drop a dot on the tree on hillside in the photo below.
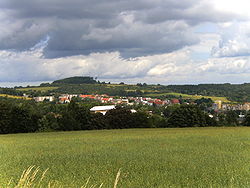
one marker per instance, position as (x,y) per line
(76,80)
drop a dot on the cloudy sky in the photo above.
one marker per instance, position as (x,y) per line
(153,41)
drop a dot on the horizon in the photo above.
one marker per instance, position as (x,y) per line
(163,42)
(37,83)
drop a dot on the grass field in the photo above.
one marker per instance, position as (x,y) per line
(148,158)
(186,96)
(42,89)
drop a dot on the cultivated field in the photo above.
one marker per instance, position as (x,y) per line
(194,97)
(192,157)
(42,89)
(15,97)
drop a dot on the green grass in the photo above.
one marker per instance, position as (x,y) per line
(191,157)
(42,89)
(186,96)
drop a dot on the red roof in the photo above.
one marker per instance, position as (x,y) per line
(175,101)
(63,99)
(105,99)
(158,102)
(87,96)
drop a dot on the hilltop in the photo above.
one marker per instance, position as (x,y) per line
(75,80)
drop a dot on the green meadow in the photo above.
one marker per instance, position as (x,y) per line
(190,157)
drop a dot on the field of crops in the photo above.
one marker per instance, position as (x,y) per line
(192,157)
(194,97)
(15,97)
(42,89)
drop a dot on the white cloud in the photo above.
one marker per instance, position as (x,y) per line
(175,67)
(235,40)
(104,41)
(240,7)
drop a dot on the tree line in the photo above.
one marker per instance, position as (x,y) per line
(18,116)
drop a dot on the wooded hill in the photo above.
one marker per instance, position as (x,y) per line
(76,80)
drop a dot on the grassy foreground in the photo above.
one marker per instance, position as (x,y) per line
(192,157)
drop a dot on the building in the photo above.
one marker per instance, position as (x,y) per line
(246,106)
(218,104)
(44,98)
(64,100)
(102,109)
(87,96)
(175,101)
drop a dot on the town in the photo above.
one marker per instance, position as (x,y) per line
(104,99)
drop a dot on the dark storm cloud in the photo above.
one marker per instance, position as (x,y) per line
(134,28)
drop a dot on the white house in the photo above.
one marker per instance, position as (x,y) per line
(43,98)
(102,109)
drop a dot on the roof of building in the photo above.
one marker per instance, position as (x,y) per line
(102,108)
(87,96)
(105,99)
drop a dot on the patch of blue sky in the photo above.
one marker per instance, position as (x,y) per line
(207,28)
(200,56)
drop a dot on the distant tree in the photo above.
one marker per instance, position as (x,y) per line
(119,118)
(158,121)
(75,117)
(5,115)
(231,118)
(141,120)
(246,121)
(167,112)
(98,121)
(23,120)
(76,80)
(49,122)
(188,116)
(204,103)
(44,84)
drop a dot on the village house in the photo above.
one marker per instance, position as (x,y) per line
(66,98)
(246,106)
(44,98)
(175,101)
(87,96)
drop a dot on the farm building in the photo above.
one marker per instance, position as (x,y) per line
(102,109)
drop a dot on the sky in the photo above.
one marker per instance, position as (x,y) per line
(152,41)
